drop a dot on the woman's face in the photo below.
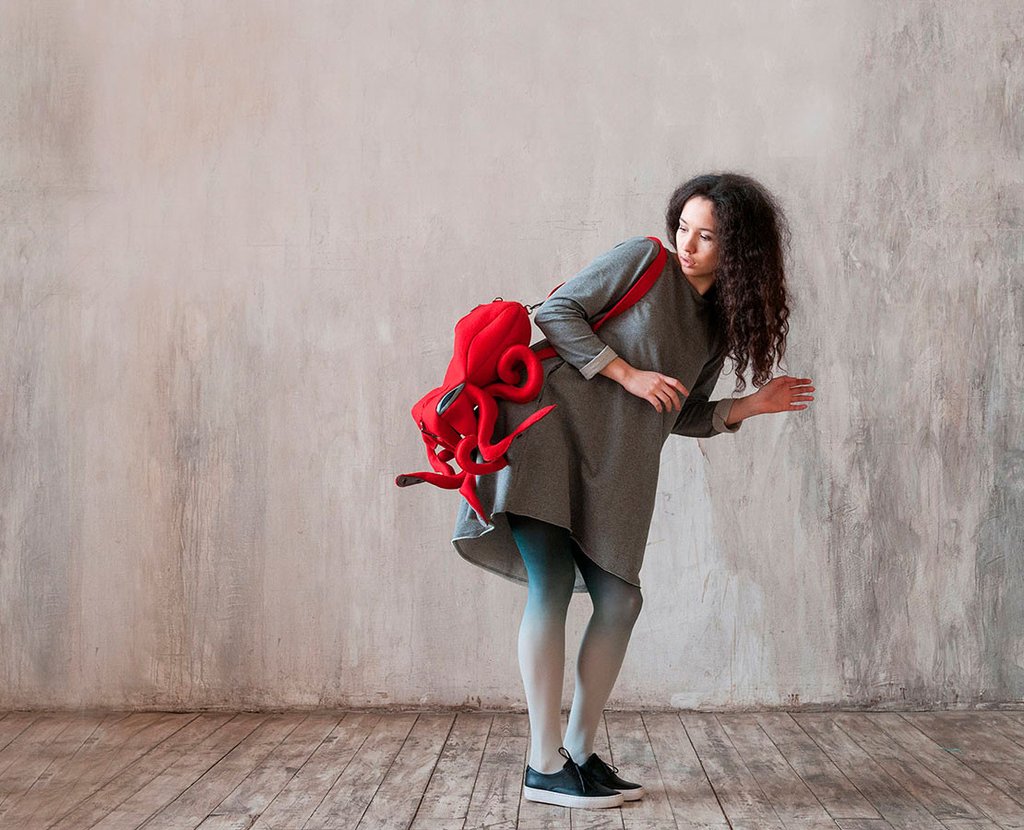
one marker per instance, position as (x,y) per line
(696,239)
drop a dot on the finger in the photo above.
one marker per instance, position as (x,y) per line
(678,384)
(672,398)
(666,400)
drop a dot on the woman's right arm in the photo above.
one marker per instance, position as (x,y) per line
(564,316)
(660,391)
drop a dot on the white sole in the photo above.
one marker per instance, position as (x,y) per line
(634,794)
(565,800)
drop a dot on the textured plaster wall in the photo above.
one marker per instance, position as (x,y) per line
(234,239)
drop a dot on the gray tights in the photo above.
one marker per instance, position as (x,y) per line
(549,552)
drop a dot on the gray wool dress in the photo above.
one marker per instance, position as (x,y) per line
(591,465)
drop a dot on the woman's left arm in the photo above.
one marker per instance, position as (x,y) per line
(703,418)
(781,394)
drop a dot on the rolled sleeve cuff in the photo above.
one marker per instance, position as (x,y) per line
(720,413)
(606,356)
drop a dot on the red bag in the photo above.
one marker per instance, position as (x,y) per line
(492,359)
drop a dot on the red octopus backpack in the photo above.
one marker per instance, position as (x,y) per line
(492,354)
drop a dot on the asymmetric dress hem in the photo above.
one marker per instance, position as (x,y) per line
(522,580)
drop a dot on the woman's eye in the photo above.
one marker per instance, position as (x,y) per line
(702,236)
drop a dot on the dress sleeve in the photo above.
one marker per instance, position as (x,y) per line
(699,417)
(564,317)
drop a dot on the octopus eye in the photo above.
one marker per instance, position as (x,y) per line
(449,398)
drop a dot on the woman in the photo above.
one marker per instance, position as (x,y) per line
(572,510)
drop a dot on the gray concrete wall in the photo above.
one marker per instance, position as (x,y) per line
(236,236)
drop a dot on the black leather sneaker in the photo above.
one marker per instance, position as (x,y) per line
(601,773)
(568,787)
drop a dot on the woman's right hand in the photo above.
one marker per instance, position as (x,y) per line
(658,389)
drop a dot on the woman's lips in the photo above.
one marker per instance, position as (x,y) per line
(686,261)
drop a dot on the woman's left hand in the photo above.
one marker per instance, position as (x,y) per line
(782,394)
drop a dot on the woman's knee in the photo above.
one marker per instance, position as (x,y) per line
(620,606)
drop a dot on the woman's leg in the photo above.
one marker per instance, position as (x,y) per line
(617,605)
(547,553)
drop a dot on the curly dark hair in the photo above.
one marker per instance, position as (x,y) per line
(749,293)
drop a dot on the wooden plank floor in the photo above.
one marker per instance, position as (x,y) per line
(442,771)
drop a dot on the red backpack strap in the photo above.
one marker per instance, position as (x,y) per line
(629,299)
(640,287)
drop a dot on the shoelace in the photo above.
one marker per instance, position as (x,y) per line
(565,754)
(579,775)
(604,763)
